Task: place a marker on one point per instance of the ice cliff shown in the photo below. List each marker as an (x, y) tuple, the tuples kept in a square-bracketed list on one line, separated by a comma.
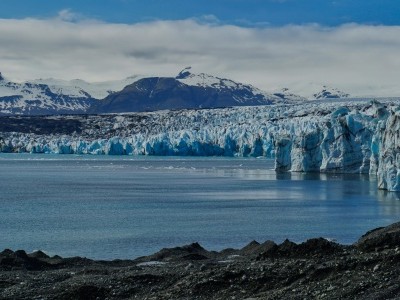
[(356, 136), (359, 140), (387, 148), (341, 142)]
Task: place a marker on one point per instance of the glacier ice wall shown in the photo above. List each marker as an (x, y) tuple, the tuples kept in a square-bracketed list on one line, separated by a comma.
[(352, 136), (223, 132), (362, 140), (388, 170), (340, 143)]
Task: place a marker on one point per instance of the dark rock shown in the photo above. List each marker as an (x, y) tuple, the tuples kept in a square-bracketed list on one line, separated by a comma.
[(315, 269), (255, 248), (379, 238), (188, 252), (313, 247), (10, 260), (6, 252), (228, 251), (319, 247), (85, 292), (38, 254), (249, 248), (287, 248), (194, 256), (21, 254)]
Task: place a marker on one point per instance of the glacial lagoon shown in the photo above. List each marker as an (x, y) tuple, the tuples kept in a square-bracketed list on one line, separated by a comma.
[(109, 207)]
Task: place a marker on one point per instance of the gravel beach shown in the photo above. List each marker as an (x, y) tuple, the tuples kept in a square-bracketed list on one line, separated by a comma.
[(315, 269)]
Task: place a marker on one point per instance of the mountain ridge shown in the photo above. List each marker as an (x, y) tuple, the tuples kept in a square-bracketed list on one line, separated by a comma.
[(187, 90)]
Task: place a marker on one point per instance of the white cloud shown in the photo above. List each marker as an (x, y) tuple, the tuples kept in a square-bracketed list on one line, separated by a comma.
[(356, 58), (67, 15)]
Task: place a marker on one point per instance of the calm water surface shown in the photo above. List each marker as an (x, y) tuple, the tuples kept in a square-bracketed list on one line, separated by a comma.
[(122, 207)]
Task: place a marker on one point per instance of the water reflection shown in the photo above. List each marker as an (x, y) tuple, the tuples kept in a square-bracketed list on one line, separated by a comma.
[(383, 195), (297, 185), (320, 176), (389, 202)]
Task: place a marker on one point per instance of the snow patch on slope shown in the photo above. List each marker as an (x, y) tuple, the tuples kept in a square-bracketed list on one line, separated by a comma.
[(78, 87), (330, 93), (205, 81), (53, 96), (27, 97), (286, 93)]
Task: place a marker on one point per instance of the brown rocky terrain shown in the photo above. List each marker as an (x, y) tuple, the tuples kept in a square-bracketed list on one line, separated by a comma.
[(315, 269)]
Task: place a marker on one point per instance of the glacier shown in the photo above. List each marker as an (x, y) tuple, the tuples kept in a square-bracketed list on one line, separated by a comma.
[(340, 135), (362, 139)]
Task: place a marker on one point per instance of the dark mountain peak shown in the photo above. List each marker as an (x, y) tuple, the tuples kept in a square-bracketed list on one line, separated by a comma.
[(184, 73), (158, 93), (148, 82), (1, 77), (151, 84)]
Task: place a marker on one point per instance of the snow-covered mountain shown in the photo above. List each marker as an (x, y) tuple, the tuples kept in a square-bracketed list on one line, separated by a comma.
[(330, 93), (187, 91), (208, 81), (96, 90), (281, 96), (136, 93), (288, 95), (34, 98), (52, 96)]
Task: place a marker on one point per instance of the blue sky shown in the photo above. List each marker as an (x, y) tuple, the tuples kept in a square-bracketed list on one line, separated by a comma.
[(272, 44), (239, 12)]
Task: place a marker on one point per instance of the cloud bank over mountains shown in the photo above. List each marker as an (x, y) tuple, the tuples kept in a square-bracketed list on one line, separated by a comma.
[(361, 59)]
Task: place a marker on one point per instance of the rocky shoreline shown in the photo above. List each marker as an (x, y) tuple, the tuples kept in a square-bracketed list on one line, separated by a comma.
[(315, 269)]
